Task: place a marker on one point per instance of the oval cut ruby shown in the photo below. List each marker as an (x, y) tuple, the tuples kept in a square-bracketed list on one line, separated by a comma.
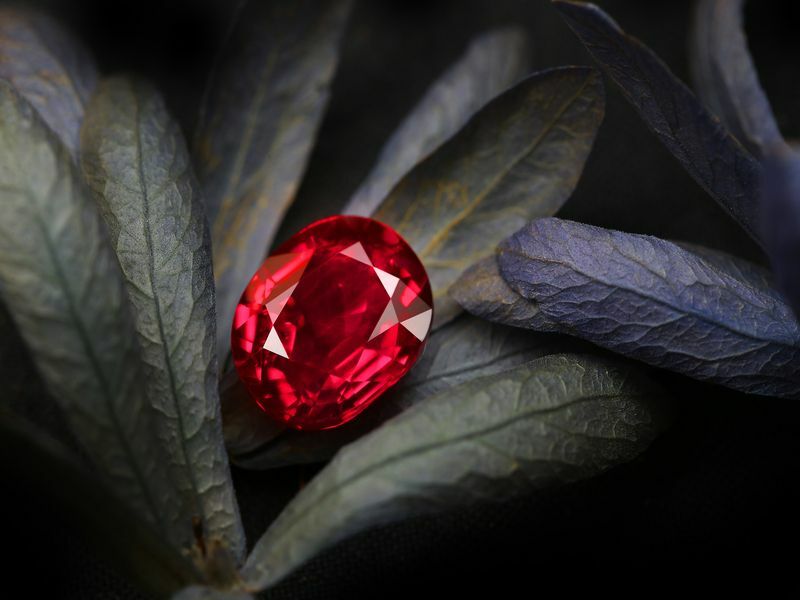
[(331, 320)]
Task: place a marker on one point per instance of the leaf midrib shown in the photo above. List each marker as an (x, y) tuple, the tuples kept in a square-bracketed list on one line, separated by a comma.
[(152, 272), (636, 292), (532, 413)]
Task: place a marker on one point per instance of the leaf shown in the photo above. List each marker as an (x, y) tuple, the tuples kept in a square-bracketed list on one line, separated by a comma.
[(492, 63), (653, 301), (92, 509), (244, 424), (518, 158), (262, 109), (135, 161), (49, 68), (464, 349), (739, 268), (24, 395), (483, 292), (713, 157), (726, 78), (555, 420), (780, 199), (62, 285)]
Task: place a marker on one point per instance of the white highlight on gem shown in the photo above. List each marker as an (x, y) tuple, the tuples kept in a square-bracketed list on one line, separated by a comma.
[(357, 252), (275, 306), (386, 322), (274, 344), (388, 280), (419, 324)]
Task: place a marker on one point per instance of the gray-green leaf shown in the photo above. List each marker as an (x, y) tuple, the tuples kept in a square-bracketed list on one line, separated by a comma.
[(49, 68), (135, 160), (464, 349), (493, 62), (726, 78), (262, 109), (24, 394), (554, 420), (244, 424), (62, 285), (518, 158)]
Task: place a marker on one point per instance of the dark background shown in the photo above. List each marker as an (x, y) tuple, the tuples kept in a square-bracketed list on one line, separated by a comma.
[(711, 507)]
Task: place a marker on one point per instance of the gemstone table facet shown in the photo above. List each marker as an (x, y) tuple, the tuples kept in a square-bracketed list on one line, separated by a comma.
[(332, 319)]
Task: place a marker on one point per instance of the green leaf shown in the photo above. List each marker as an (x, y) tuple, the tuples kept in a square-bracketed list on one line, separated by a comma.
[(262, 109), (135, 161), (706, 150), (557, 419), (92, 509), (726, 78), (61, 283), (518, 158), (49, 68), (482, 291), (464, 349), (493, 62)]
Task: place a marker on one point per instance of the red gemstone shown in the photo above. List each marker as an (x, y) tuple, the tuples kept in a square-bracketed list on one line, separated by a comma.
[(331, 320)]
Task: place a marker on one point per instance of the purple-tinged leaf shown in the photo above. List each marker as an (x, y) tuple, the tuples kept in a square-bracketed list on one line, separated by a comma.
[(780, 199), (725, 77), (708, 152), (651, 300)]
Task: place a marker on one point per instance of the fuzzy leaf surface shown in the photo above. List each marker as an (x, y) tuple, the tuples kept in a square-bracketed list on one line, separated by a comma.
[(554, 420), (135, 160), (63, 287), (651, 300), (518, 158)]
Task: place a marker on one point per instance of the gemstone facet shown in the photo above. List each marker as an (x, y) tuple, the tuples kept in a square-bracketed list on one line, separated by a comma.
[(332, 319)]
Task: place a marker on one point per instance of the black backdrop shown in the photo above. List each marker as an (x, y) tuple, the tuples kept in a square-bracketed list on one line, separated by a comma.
[(712, 506)]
